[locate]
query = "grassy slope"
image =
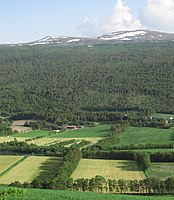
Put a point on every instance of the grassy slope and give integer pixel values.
(145, 135)
(37, 194)
(32, 134)
(110, 169)
(161, 170)
(98, 131)
(31, 167)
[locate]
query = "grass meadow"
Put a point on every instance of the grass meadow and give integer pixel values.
(161, 170)
(38, 194)
(7, 161)
(30, 168)
(97, 131)
(146, 135)
(33, 134)
(110, 169)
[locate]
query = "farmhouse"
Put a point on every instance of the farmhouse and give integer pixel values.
(69, 127)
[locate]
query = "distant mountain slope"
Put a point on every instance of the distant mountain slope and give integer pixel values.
(120, 36)
(75, 81)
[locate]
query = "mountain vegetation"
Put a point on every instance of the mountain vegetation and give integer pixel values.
(89, 84)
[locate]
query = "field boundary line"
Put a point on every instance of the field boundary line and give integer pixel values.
(13, 165)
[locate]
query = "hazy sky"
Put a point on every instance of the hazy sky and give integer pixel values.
(27, 20)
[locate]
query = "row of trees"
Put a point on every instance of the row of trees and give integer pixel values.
(151, 122)
(142, 146)
(100, 184)
(15, 147)
(69, 164)
(117, 129)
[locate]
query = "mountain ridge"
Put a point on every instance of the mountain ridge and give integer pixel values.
(113, 37)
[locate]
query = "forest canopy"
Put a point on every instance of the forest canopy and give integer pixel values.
(71, 83)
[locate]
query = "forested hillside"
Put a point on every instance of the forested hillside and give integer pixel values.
(70, 83)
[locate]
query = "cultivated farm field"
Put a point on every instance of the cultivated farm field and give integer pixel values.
(97, 131)
(38, 194)
(7, 161)
(6, 139)
(18, 125)
(30, 168)
(109, 169)
(146, 135)
(161, 170)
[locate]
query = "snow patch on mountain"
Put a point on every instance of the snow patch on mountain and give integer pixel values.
(123, 35)
(73, 40)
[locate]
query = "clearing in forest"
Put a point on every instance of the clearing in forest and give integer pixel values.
(18, 125)
(109, 169)
(32, 167)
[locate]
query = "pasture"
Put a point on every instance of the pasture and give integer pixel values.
(97, 131)
(30, 168)
(7, 161)
(109, 169)
(33, 134)
(146, 135)
(161, 170)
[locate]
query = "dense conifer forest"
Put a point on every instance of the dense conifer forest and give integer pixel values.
(89, 84)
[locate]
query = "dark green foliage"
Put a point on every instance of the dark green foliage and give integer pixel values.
(10, 192)
(74, 83)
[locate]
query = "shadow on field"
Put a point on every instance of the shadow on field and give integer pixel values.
(128, 166)
(49, 168)
(172, 136)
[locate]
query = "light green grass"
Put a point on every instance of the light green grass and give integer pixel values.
(163, 116)
(38, 194)
(109, 169)
(33, 134)
(160, 170)
(98, 131)
(7, 161)
(145, 135)
(30, 168)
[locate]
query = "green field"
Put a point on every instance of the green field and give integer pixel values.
(161, 170)
(98, 131)
(33, 134)
(7, 161)
(146, 135)
(38, 194)
(30, 168)
(109, 169)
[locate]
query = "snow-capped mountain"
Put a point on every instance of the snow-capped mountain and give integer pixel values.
(114, 37)
(137, 35)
